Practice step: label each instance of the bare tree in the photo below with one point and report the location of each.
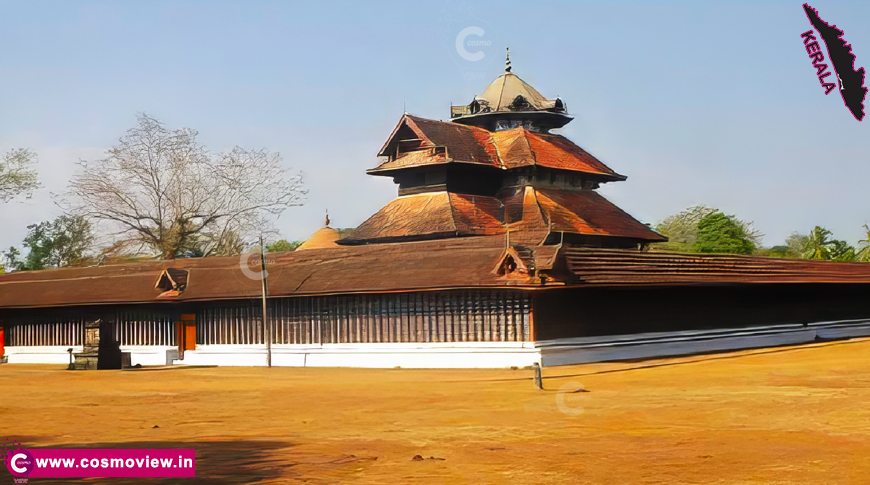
(163, 193)
(16, 175)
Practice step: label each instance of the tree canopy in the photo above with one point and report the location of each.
(818, 244)
(722, 233)
(718, 233)
(52, 244)
(282, 245)
(17, 175)
(863, 253)
(161, 192)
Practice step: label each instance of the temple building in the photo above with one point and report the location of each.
(498, 251)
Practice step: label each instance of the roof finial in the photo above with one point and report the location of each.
(507, 62)
(327, 221)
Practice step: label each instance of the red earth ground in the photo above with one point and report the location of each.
(781, 416)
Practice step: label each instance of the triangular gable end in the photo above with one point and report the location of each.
(172, 280)
(406, 129)
(511, 263)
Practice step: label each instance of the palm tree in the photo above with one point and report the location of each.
(818, 244)
(864, 247)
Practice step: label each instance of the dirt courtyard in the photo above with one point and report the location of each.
(784, 415)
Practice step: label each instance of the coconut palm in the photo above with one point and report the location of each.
(864, 246)
(818, 244)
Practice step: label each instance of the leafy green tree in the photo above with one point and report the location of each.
(780, 251)
(842, 251)
(682, 230)
(863, 253)
(16, 174)
(282, 245)
(718, 233)
(818, 244)
(53, 244)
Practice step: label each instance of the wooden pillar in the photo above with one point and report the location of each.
(2, 340)
(531, 335)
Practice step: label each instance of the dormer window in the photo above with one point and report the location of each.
(520, 103)
(172, 282)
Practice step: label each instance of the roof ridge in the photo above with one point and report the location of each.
(452, 211)
(501, 92)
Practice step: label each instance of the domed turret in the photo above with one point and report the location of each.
(509, 102)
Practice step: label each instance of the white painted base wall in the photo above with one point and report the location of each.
(140, 354)
(478, 354)
(431, 355)
(39, 355)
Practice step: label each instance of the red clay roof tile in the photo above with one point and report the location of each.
(430, 215)
(506, 149)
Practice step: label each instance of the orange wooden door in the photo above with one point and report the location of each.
(187, 332)
(189, 335)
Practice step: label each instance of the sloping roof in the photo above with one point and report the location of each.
(411, 266)
(432, 214)
(440, 264)
(587, 212)
(468, 144)
(625, 267)
(520, 147)
(505, 149)
(323, 238)
(502, 92)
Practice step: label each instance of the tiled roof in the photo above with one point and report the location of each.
(469, 262)
(587, 212)
(625, 267)
(413, 159)
(440, 264)
(432, 214)
(506, 149)
(468, 144)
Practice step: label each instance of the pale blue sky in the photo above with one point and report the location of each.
(697, 103)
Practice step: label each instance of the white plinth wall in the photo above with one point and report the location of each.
(476, 354)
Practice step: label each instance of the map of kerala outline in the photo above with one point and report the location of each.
(851, 81)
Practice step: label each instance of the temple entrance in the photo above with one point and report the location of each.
(100, 348)
(186, 332)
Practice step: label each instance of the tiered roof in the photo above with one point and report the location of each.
(430, 215)
(439, 142)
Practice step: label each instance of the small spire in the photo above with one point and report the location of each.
(327, 221)
(507, 62)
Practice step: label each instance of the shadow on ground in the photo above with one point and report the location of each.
(222, 462)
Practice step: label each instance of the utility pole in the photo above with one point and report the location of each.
(267, 326)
